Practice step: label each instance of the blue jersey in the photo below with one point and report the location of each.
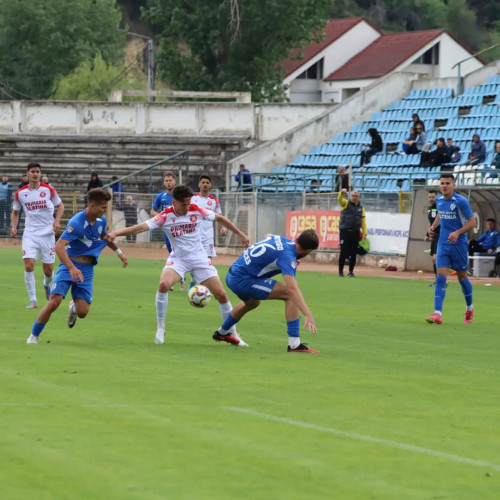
(162, 201)
(266, 258)
(453, 214)
(85, 238)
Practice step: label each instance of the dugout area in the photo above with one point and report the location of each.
(485, 203)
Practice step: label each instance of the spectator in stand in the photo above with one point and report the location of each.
(417, 121)
(117, 188)
(409, 140)
(437, 157)
(45, 180)
(5, 204)
(477, 153)
(130, 212)
(417, 145)
(488, 241)
(94, 182)
(376, 146)
(453, 151)
(496, 161)
(244, 179)
(24, 182)
(342, 179)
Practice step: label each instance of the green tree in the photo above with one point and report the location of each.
(44, 38)
(230, 44)
(91, 80)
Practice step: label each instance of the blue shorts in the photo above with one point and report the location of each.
(247, 288)
(81, 290)
(454, 256)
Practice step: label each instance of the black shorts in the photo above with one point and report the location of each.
(434, 244)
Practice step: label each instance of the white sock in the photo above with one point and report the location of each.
(47, 280)
(294, 342)
(225, 310)
(469, 308)
(161, 308)
(438, 312)
(29, 279)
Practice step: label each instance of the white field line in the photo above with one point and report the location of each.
(283, 420)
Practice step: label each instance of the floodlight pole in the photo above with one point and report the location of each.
(459, 76)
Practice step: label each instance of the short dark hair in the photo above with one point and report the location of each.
(308, 240)
(450, 139)
(432, 191)
(98, 195)
(182, 192)
(440, 139)
(491, 220)
(33, 165)
(447, 175)
(205, 177)
(169, 174)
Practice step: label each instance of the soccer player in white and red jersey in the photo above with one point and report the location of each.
(182, 224)
(38, 201)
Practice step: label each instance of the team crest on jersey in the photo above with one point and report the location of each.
(70, 229)
(209, 202)
(43, 194)
(193, 218)
(452, 206)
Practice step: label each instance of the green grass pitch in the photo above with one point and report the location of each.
(392, 408)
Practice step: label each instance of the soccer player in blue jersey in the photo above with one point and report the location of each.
(78, 249)
(455, 217)
(249, 278)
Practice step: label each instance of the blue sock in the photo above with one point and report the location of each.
(229, 322)
(439, 292)
(293, 328)
(467, 290)
(37, 328)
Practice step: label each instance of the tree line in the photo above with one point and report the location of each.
(61, 49)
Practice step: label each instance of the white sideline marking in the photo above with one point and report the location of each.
(363, 437)
(284, 420)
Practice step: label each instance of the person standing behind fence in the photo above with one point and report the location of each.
(342, 179)
(5, 202)
(130, 212)
(352, 221)
(244, 179)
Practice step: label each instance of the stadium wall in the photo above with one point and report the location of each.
(258, 122)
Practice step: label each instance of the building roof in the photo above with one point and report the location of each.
(334, 29)
(384, 55)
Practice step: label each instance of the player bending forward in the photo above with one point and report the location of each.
(456, 218)
(181, 222)
(78, 249)
(249, 278)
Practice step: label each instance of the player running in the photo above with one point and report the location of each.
(78, 249)
(38, 201)
(182, 224)
(456, 218)
(249, 278)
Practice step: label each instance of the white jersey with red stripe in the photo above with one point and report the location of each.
(38, 205)
(207, 227)
(183, 231)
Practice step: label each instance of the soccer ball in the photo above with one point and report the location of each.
(199, 296)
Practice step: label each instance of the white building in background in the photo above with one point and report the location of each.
(354, 53)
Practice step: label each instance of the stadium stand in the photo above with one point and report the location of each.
(476, 111)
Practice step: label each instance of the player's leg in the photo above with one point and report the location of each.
(30, 281)
(47, 249)
(48, 277)
(43, 317)
(460, 263)
(443, 263)
(171, 274)
(208, 277)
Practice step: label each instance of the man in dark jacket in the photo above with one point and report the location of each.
(477, 152)
(352, 221)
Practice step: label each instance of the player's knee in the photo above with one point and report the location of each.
(220, 295)
(163, 287)
(29, 268)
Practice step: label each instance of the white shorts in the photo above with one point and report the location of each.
(43, 245)
(209, 248)
(200, 268)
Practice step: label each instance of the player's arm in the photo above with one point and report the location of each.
(468, 226)
(434, 225)
(76, 274)
(298, 298)
(223, 221)
(127, 231)
(156, 206)
(14, 219)
(57, 221)
(118, 251)
(153, 212)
